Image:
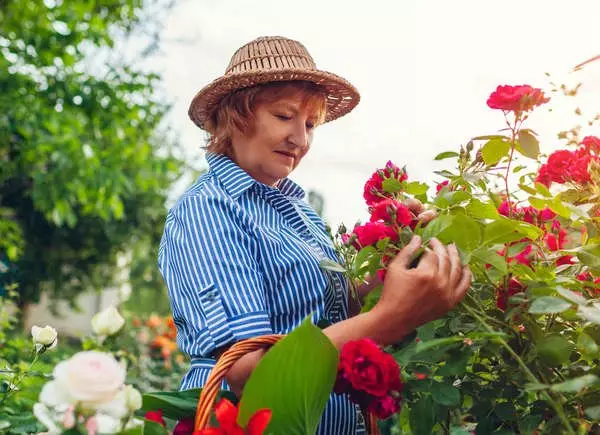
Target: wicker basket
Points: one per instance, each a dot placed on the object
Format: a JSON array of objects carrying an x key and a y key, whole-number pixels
[{"x": 230, "y": 356}]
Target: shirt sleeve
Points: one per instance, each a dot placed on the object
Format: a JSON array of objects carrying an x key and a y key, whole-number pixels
[{"x": 209, "y": 262}]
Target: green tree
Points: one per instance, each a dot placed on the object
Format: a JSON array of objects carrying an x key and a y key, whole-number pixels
[{"x": 85, "y": 157}]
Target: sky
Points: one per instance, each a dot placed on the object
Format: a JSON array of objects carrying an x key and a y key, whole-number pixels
[{"x": 424, "y": 68}]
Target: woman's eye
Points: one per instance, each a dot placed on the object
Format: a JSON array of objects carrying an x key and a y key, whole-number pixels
[
  {"x": 283, "y": 117},
  {"x": 310, "y": 125}
]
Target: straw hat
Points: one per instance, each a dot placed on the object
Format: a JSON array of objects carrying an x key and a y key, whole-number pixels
[{"x": 271, "y": 59}]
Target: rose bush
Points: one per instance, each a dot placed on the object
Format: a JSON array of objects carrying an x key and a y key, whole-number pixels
[{"x": 520, "y": 353}]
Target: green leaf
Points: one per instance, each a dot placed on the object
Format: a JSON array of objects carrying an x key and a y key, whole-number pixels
[
  {"x": 416, "y": 188},
  {"x": 549, "y": 304},
  {"x": 482, "y": 210},
  {"x": 576, "y": 384},
  {"x": 487, "y": 256},
  {"x": 559, "y": 208},
  {"x": 446, "y": 155},
  {"x": 445, "y": 394},
  {"x": 494, "y": 150},
  {"x": 593, "y": 412},
  {"x": 391, "y": 185},
  {"x": 590, "y": 255},
  {"x": 554, "y": 350},
  {"x": 294, "y": 379},
  {"x": 363, "y": 256},
  {"x": 174, "y": 404},
  {"x": 502, "y": 230},
  {"x": 464, "y": 231},
  {"x": 331, "y": 265},
  {"x": 153, "y": 428},
  {"x": 539, "y": 203},
  {"x": 436, "y": 226},
  {"x": 587, "y": 346},
  {"x": 506, "y": 411},
  {"x": 528, "y": 189},
  {"x": 543, "y": 190},
  {"x": 570, "y": 295},
  {"x": 530, "y": 146},
  {"x": 422, "y": 416}
]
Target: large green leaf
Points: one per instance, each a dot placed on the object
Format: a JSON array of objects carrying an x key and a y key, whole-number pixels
[
  {"x": 494, "y": 150},
  {"x": 294, "y": 379},
  {"x": 422, "y": 416},
  {"x": 445, "y": 394},
  {"x": 488, "y": 256},
  {"x": 482, "y": 210},
  {"x": 530, "y": 146},
  {"x": 548, "y": 304},
  {"x": 502, "y": 230},
  {"x": 554, "y": 350},
  {"x": 464, "y": 231}
]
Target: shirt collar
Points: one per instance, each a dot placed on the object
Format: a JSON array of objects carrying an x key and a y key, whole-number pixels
[{"x": 236, "y": 181}]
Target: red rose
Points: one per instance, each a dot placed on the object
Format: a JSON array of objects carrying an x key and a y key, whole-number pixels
[
  {"x": 516, "y": 98},
  {"x": 391, "y": 212},
  {"x": 384, "y": 407},
  {"x": 503, "y": 294},
  {"x": 365, "y": 368},
  {"x": 557, "y": 239},
  {"x": 156, "y": 416},
  {"x": 371, "y": 232},
  {"x": 373, "y": 190},
  {"x": 184, "y": 427},
  {"x": 591, "y": 144}
]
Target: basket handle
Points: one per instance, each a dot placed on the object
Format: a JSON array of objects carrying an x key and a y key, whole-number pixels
[{"x": 228, "y": 358}]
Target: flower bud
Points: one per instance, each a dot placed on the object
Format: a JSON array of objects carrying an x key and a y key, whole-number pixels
[
  {"x": 133, "y": 398},
  {"x": 45, "y": 337},
  {"x": 107, "y": 322}
]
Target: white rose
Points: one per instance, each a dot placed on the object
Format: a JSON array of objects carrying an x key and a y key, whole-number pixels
[
  {"x": 133, "y": 398},
  {"x": 46, "y": 337},
  {"x": 116, "y": 408},
  {"x": 44, "y": 416},
  {"x": 107, "y": 322},
  {"x": 91, "y": 378},
  {"x": 107, "y": 424}
]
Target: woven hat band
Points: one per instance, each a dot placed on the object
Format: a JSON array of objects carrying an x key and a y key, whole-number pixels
[{"x": 269, "y": 53}]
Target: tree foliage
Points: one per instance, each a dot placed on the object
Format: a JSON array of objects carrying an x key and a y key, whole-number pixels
[{"x": 85, "y": 159}]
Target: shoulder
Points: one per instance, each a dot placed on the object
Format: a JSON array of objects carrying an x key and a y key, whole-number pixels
[{"x": 206, "y": 200}]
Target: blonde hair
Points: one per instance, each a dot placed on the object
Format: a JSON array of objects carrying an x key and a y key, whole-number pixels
[{"x": 236, "y": 110}]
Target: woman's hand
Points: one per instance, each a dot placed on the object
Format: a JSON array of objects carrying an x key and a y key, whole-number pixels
[
  {"x": 417, "y": 208},
  {"x": 412, "y": 297}
]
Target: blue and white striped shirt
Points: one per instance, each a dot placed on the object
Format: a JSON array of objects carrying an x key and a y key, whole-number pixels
[{"x": 241, "y": 259}]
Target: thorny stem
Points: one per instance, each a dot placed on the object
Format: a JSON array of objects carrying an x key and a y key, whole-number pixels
[{"x": 547, "y": 397}]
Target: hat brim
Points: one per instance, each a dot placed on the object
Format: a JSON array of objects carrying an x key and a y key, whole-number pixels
[{"x": 342, "y": 96}]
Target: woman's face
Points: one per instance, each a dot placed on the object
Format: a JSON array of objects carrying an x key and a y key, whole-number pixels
[{"x": 280, "y": 138}]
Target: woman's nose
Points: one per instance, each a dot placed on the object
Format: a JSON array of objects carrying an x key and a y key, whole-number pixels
[{"x": 300, "y": 135}]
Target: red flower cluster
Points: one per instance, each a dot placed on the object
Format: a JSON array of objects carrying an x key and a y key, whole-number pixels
[
  {"x": 156, "y": 416},
  {"x": 521, "y": 98},
  {"x": 370, "y": 377},
  {"x": 564, "y": 166},
  {"x": 588, "y": 277},
  {"x": 555, "y": 239},
  {"x": 373, "y": 191}
]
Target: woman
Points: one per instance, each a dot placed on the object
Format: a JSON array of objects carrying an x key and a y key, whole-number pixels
[{"x": 241, "y": 249}]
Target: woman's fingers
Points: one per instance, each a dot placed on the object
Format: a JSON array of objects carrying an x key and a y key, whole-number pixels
[
  {"x": 406, "y": 255},
  {"x": 443, "y": 259},
  {"x": 456, "y": 267},
  {"x": 463, "y": 285}
]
